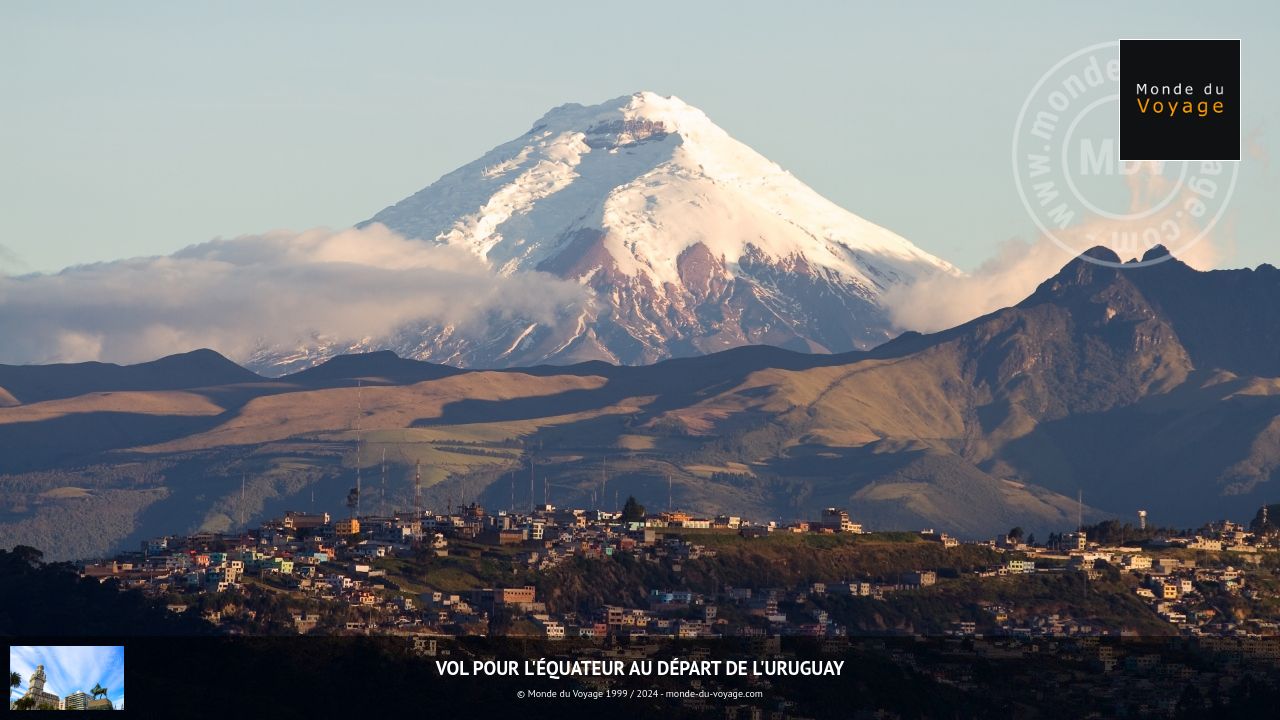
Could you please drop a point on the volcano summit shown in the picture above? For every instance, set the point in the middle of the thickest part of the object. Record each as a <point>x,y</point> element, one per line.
<point>686,242</point>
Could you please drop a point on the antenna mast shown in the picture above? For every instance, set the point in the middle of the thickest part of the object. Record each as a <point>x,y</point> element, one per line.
<point>242,498</point>
<point>1079,509</point>
<point>359,412</point>
<point>417,485</point>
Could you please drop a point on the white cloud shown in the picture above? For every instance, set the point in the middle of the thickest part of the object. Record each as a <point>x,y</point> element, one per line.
<point>944,301</point>
<point>275,290</point>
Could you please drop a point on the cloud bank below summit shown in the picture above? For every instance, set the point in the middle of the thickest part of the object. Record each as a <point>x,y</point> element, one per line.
<point>943,301</point>
<point>279,289</point>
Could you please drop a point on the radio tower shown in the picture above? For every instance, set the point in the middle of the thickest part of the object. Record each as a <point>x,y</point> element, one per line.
<point>382,500</point>
<point>531,484</point>
<point>241,499</point>
<point>417,485</point>
<point>1079,510</point>
<point>359,412</point>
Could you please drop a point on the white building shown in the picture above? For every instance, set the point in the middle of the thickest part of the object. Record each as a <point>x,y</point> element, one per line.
<point>1020,566</point>
<point>76,701</point>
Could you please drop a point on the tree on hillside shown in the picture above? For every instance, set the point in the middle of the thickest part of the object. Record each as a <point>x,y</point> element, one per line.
<point>1015,534</point>
<point>25,554</point>
<point>1266,520</point>
<point>632,511</point>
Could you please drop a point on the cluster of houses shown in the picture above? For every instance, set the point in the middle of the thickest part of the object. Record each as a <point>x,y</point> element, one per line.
<point>1176,588</point>
<point>337,560</point>
<point>341,562</point>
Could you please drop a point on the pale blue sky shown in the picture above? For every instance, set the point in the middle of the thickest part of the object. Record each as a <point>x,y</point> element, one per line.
<point>136,128</point>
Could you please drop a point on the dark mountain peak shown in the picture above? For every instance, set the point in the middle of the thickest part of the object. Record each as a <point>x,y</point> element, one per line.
<point>203,358</point>
<point>1156,252</point>
<point>1084,277</point>
<point>381,366</point>
<point>196,369</point>
<point>200,354</point>
<point>1164,262</point>
<point>1101,252</point>
<point>1081,277</point>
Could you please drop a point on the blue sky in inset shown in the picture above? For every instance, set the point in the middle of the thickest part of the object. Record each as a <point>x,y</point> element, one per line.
<point>70,668</point>
<point>137,128</point>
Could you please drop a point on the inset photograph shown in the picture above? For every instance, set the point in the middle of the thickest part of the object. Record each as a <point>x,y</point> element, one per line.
<point>66,677</point>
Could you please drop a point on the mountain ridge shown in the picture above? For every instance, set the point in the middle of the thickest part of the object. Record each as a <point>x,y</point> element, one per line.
<point>1105,382</point>
<point>196,368</point>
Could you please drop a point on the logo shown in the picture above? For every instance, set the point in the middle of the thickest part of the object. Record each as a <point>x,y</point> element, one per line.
<point>1180,99</point>
<point>1080,194</point>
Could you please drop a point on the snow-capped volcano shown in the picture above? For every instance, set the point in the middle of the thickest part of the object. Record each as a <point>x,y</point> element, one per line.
<point>687,240</point>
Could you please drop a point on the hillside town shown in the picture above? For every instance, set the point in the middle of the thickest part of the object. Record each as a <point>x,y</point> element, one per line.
<point>404,574</point>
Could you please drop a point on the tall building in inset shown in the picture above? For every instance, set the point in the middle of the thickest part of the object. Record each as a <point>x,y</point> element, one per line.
<point>36,691</point>
<point>76,701</point>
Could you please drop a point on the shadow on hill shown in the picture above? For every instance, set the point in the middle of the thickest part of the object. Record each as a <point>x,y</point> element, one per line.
<point>191,492</point>
<point>73,439</point>
<point>675,383</point>
<point>1167,454</point>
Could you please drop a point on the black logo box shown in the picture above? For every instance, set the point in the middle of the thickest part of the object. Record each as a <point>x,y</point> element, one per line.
<point>1182,65</point>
